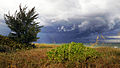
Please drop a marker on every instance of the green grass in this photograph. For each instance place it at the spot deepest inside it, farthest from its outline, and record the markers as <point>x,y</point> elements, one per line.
<point>37,58</point>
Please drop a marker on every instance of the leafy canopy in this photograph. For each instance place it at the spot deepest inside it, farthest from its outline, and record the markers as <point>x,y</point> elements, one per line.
<point>24,28</point>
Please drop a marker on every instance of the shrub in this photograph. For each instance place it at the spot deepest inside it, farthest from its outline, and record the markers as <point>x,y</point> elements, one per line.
<point>75,52</point>
<point>7,45</point>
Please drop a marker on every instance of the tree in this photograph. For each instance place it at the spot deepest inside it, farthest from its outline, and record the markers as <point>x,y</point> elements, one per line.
<point>24,28</point>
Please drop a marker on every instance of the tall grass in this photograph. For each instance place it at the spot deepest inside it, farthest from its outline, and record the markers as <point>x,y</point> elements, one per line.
<point>37,58</point>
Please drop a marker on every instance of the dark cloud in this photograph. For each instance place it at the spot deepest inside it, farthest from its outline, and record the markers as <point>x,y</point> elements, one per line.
<point>69,20</point>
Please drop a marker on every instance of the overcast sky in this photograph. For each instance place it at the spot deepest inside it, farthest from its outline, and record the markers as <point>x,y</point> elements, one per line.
<point>90,15</point>
<point>64,9</point>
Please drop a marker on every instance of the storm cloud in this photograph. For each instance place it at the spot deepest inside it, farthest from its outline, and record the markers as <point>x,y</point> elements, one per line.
<point>78,18</point>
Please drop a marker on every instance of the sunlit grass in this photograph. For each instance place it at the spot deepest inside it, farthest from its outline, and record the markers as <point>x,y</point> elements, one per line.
<point>43,45</point>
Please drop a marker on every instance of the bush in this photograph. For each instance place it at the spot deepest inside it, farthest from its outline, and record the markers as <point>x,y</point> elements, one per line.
<point>75,52</point>
<point>7,45</point>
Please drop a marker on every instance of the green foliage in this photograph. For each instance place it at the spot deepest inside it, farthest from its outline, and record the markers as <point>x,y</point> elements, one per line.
<point>75,52</point>
<point>23,25</point>
<point>8,45</point>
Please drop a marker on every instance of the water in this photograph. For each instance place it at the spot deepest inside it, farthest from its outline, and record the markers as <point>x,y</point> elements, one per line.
<point>113,45</point>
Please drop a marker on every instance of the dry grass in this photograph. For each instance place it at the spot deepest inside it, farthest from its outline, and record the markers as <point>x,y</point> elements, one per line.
<point>46,45</point>
<point>34,58</point>
<point>37,58</point>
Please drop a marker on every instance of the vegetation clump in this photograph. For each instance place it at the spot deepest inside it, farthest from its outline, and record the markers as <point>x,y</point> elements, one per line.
<point>75,52</point>
<point>23,25</point>
<point>8,45</point>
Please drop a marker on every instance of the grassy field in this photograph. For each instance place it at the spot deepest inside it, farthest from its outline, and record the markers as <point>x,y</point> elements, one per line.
<point>37,58</point>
